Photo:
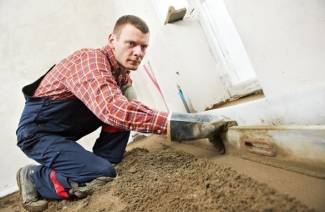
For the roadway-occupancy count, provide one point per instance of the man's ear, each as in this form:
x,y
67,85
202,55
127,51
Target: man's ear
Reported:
x,y
111,40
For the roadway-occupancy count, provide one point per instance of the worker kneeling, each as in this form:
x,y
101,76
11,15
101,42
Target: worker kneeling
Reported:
x,y
90,89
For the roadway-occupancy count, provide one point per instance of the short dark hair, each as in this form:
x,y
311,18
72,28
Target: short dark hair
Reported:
x,y
133,20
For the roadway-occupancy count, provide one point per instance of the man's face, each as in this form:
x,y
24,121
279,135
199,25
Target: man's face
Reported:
x,y
129,46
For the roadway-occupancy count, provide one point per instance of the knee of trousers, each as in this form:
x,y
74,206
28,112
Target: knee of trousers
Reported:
x,y
106,169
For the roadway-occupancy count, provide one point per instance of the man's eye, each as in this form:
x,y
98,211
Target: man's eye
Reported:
x,y
144,47
131,43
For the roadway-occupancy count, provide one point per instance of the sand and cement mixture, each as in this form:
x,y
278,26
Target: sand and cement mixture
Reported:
x,y
170,180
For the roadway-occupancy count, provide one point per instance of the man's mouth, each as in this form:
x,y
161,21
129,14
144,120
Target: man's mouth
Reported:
x,y
134,62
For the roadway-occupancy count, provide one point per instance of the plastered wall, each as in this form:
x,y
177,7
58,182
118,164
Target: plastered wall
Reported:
x,y
285,41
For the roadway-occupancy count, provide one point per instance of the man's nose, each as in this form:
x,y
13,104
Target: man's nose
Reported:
x,y
137,50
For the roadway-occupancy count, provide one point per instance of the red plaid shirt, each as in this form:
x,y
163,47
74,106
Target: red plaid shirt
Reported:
x,y
94,77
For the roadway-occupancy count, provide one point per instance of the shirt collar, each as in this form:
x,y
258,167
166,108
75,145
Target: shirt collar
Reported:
x,y
111,58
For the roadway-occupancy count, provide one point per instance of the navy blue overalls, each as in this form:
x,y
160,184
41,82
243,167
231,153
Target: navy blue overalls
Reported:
x,y
48,131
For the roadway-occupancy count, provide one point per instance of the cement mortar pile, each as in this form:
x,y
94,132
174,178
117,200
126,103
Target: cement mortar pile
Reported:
x,y
169,180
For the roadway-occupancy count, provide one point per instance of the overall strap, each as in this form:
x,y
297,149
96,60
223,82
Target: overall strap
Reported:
x,y
29,90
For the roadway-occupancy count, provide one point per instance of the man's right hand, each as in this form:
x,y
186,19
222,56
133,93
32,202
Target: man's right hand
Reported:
x,y
191,126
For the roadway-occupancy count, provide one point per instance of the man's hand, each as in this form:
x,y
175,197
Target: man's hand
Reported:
x,y
129,92
185,126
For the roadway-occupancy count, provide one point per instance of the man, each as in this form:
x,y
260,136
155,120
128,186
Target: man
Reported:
x,y
86,90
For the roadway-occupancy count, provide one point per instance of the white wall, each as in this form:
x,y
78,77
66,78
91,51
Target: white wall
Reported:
x,y
285,40
182,48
